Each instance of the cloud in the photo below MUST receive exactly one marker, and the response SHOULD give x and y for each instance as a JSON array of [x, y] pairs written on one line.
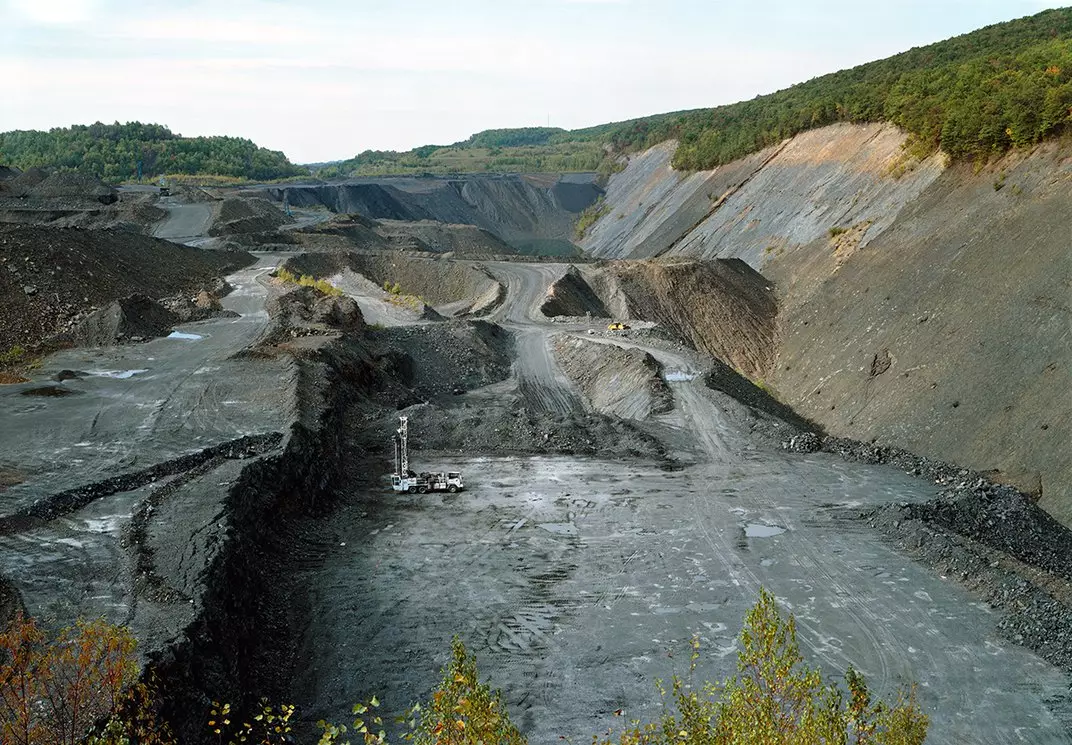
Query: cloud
[[55, 12]]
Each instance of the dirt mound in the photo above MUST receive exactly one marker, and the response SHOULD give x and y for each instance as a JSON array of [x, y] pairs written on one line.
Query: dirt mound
[[8, 172], [30, 178], [234, 215], [620, 382], [194, 194], [721, 307], [133, 318], [452, 288], [71, 184], [571, 296], [306, 311], [52, 278]]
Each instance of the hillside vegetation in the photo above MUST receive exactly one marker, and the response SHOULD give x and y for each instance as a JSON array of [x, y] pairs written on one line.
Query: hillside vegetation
[[112, 152], [983, 93]]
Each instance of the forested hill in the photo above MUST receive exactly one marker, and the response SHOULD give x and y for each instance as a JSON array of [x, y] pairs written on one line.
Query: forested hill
[[112, 152], [1003, 86]]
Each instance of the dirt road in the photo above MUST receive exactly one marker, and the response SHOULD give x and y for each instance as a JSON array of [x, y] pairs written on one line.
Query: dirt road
[[578, 582]]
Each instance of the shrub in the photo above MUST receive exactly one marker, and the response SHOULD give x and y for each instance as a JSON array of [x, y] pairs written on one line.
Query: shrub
[[589, 217], [776, 698], [12, 356], [52, 693], [837, 230], [320, 285]]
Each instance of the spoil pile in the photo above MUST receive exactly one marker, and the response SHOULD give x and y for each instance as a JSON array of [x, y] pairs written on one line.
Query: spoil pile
[[77, 185], [306, 311], [132, 318], [237, 216], [571, 296], [621, 382], [50, 279]]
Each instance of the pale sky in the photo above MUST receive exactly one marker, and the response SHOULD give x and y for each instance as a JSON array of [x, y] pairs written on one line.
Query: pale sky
[[324, 80]]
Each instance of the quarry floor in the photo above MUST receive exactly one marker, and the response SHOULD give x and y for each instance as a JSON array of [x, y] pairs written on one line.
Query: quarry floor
[[578, 582]]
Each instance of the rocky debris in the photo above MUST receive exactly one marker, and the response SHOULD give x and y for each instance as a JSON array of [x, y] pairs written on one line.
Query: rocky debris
[[73, 184], [300, 311], [805, 442], [27, 180], [235, 216], [990, 537], [202, 306], [76, 272], [133, 318], [431, 361], [622, 382], [570, 295]]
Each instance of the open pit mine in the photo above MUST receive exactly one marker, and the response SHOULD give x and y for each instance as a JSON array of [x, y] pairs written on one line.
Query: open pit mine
[[298, 437]]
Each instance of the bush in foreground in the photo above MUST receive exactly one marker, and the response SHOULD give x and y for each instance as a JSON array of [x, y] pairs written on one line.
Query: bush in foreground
[[54, 693]]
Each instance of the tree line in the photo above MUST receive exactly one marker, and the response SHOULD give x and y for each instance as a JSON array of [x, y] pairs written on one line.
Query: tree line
[[118, 152]]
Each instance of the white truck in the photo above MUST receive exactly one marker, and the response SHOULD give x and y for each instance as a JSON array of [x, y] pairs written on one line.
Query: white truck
[[422, 483], [405, 480]]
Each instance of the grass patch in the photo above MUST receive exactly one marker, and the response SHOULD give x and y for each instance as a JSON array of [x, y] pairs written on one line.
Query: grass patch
[[320, 285], [590, 217]]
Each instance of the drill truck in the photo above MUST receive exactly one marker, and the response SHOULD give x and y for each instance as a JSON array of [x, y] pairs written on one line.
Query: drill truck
[[407, 481]]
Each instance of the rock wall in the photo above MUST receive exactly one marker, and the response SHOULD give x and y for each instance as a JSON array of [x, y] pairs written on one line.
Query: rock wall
[[764, 205], [516, 208], [925, 306]]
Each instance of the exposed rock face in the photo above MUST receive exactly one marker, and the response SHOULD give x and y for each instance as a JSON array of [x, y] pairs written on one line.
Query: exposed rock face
[[571, 296], [768, 203], [514, 208], [724, 307], [923, 305]]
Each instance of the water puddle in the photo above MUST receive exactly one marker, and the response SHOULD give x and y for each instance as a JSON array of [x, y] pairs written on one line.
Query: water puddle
[[756, 530], [679, 376], [117, 374], [184, 335]]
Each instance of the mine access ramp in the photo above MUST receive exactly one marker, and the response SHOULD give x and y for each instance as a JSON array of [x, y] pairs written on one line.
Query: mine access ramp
[[405, 480]]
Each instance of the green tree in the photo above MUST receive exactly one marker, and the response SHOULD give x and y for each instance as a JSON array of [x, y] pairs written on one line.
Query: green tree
[[776, 699]]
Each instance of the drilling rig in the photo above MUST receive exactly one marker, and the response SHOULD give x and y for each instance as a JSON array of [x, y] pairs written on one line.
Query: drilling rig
[[405, 480]]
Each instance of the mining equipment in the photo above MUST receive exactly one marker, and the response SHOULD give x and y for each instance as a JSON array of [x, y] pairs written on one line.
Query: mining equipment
[[405, 480]]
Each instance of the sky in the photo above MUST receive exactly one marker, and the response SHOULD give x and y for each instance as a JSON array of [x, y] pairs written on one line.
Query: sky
[[323, 80]]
